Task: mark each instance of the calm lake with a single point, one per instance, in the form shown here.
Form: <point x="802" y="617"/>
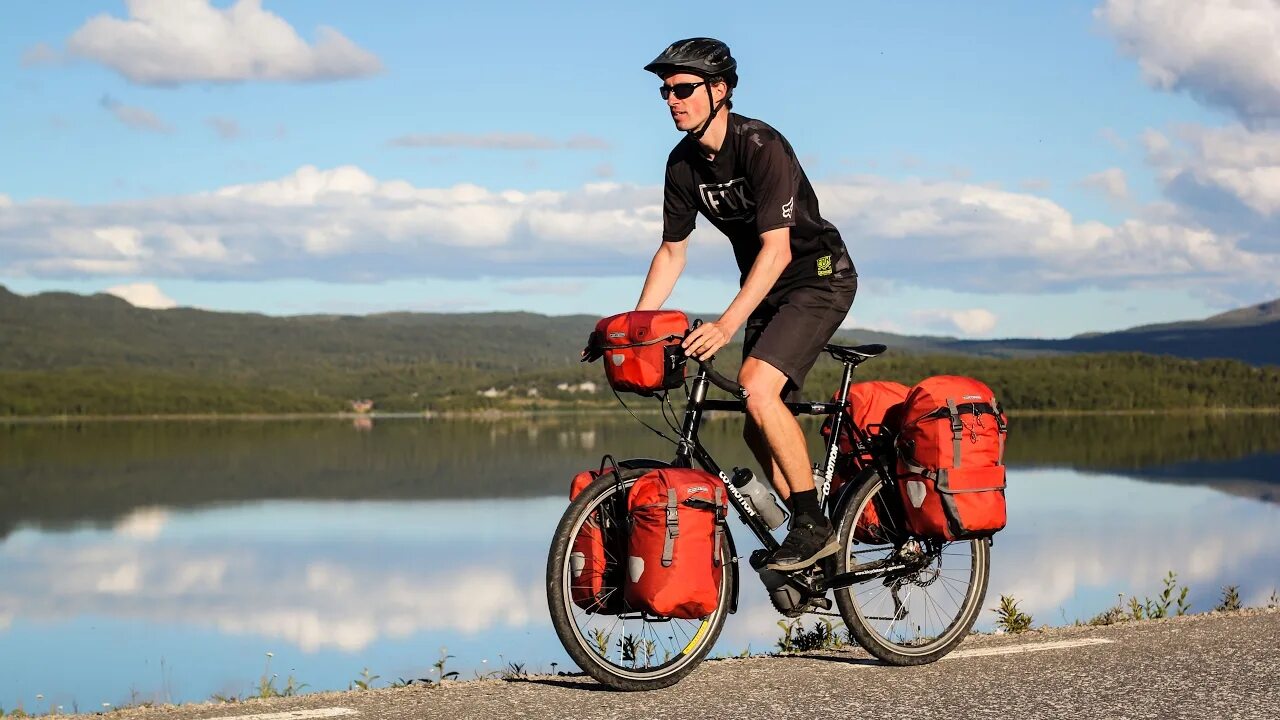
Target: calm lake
<point x="164" y="561"/>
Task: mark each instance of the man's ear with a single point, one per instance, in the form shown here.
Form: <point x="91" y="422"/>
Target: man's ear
<point x="719" y="89"/>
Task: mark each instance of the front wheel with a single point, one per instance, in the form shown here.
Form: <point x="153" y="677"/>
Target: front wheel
<point x="627" y="650"/>
<point x="922" y="610"/>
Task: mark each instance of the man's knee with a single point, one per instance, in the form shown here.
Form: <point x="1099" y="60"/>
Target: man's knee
<point x="764" y="383"/>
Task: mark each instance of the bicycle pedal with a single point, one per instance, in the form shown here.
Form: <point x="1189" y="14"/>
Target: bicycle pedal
<point x="821" y="602"/>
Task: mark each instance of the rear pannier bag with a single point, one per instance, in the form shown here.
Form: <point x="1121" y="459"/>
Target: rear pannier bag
<point x="595" y="557"/>
<point x="674" y="556"/>
<point x="868" y="403"/>
<point x="951" y="472"/>
<point x="641" y="350"/>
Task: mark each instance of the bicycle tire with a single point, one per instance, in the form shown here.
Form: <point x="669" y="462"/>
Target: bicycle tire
<point x="567" y="618"/>
<point x="857" y="607"/>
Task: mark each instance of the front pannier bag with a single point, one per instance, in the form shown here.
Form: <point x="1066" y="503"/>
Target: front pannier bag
<point x="951" y="472"/>
<point x="641" y="350"/>
<point x="674" y="556"/>
<point x="595" y="558"/>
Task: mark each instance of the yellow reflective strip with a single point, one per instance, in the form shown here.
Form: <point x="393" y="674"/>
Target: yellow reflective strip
<point x="697" y="636"/>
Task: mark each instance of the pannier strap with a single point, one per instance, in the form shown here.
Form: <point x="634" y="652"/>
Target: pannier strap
<point x="957" y="431"/>
<point x="715" y="553"/>
<point x="1001" y="425"/>
<point x="654" y="341"/>
<point x="673" y="527"/>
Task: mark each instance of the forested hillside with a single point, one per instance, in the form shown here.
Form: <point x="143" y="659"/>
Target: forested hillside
<point x="77" y="355"/>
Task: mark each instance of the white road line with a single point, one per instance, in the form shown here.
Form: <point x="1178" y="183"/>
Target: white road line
<point x="1030" y="647"/>
<point x="293" y="714"/>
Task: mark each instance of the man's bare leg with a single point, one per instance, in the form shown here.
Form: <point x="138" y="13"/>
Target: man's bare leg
<point x="760" y="449"/>
<point x="810" y="537"/>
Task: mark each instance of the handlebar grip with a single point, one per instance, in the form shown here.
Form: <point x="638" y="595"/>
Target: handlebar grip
<point x="723" y="382"/>
<point x="715" y="377"/>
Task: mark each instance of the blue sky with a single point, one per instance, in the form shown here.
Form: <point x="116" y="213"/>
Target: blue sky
<point x="997" y="169"/>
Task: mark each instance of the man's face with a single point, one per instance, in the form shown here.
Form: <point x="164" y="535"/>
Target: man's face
<point x="691" y="112"/>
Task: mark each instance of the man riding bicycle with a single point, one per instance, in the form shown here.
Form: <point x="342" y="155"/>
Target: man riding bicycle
<point x="797" y="280"/>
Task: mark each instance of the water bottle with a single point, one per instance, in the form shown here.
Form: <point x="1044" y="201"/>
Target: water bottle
<point x="759" y="497"/>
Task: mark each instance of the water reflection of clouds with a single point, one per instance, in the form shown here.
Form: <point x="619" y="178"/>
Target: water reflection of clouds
<point x="341" y="590"/>
<point x="1097" y="534"/>
<point x="144" y="523"/>
<point x="345" y="576"/>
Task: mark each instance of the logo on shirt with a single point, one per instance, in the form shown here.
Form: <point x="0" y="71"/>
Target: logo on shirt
<point x="824" y="266"/>
<point x="788" y="208"/>
<point x="728" y="201"/>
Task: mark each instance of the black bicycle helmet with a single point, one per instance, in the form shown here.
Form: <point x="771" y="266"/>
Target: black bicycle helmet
<point x="706" y="57"/>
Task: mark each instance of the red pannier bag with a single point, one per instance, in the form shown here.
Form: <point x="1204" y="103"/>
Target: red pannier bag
<point x="596" y="570"/>
<point x="641" y="350"/>
<point x="674" y="558"/>
<point x="868" y="404"/>
<point x="951" y="472"/>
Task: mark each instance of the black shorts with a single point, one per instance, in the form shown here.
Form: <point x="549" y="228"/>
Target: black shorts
<point x="789" y="332"/>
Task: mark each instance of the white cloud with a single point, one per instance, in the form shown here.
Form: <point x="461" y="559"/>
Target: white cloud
<point x="40" y="54"/>
<point x="972" y="321"/>
<point x="170" y="42"/>
<point x="1114" y="139"/>
<point x="343" y="224"/>
<point x="134" y="117"/>
<point x="1224" y="53"/>
<point x="1110" y="181"/>
<point x="143" y="295"/>
<point x="1233" y="160"/>
<point x="226" y="128"/>
<point x="544" y="287"/>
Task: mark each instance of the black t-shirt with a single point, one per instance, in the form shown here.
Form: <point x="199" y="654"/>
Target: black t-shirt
<point x="754" y="184"/>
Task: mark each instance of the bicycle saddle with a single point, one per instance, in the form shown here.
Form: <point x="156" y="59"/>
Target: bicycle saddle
<point x="855" y="353"/>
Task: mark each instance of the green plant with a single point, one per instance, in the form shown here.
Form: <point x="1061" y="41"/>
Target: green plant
<point x="365" y="682"/>
<point x="220" y="698"/>
<point x="513" y="670"/>
<point x="1009" y="618"/>
<point x="601" y="639"/>
<point x="1136" y="609"/>
<point x="1159" y="607"/>
<point x="630" y="646"/>
<point x="1230" y="599"/>
<point x="822" y="636"/>
<point x="439" y="666"/>
<point x="1274" y="600"/>
<point x="1111" y="615"/>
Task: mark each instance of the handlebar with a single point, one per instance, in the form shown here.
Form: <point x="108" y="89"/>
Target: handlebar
<point x="715" y="377"/>
<point x="721" y="381"/>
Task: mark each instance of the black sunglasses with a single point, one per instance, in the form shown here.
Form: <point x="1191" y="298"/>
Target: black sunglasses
<point x="682" y="90"/>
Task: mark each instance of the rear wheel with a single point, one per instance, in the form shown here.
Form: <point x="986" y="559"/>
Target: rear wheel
<point x="631" y="650"/>
<point x="925" y="605"/>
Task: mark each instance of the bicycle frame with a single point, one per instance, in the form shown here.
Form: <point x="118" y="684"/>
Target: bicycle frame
<point x="689" y="448"/>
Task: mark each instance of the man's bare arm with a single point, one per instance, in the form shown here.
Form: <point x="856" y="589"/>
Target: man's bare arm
<point x="668" y="263"/>
<point x="775" y="255"/>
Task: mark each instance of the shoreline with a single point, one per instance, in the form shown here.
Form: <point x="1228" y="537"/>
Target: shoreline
<point x="503" y="414"/>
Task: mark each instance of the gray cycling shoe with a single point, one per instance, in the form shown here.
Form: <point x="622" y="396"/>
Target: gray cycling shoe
<point x="808" y="542"/>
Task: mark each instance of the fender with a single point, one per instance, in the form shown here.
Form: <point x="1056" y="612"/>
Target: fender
<point x="847" y="491"/>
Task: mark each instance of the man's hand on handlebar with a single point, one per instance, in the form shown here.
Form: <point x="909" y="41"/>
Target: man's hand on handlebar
<point x="706" y="339"/>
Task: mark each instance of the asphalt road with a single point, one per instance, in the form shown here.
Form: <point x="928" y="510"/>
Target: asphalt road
<point x="1214" y="666"/>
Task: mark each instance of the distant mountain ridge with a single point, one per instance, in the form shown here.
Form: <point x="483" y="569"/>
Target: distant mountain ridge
<point x="58" y="330"/>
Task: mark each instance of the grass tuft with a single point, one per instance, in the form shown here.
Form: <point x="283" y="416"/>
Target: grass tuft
<point x="1230" y="599"/>
<point x="1009" y="618"/>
